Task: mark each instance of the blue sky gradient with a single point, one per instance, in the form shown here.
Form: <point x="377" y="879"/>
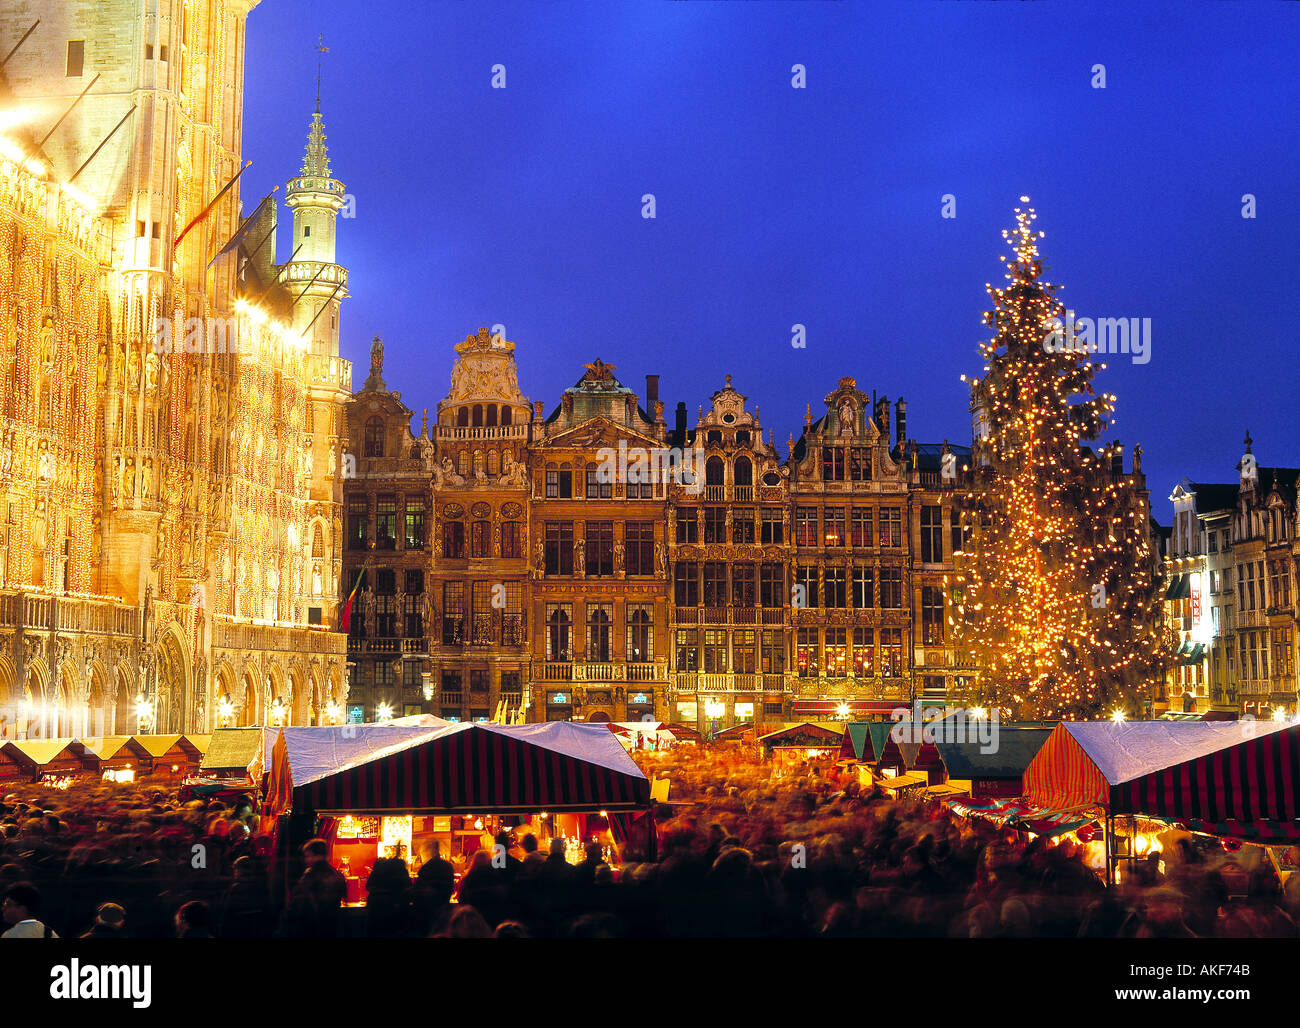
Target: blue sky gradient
<point x="818" y="206"/>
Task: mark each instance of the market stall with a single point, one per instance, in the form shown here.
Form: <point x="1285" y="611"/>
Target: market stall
<point x="793" y="745"/>
<point x="48" y="761"/>
<point x="1202" y="774"/>
<point x="118" y="758"/>
<point x="169" y="756"/>
<point x="460" y="785"/>
<point x="996" y="769"/>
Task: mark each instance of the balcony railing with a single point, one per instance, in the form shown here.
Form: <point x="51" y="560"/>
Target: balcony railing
<point x="443" y="432"/>
<point x="744" y="493"/>
<point x="557" y="671"/>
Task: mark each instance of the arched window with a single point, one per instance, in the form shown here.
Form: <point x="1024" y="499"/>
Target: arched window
<point x="477" y="420"/>
<point x="493" y="463"/>
<point x="462" y="417"/>
<point x="599" y="633"/>
<point x="462" y="463"/>
<point x="558" y="626"/>
<point x="744" y="471"/>
<point x="491" y="415"/>
<point x="640" y="635"/>
<point x="375" y="437"/>
<point x="507" y="416"/>
<point x="713" y="471"/>
<point x="478" y="462"/>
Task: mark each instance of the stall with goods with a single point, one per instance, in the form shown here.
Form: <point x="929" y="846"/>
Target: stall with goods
<point x="374" y="795"/>
<point x="117" y="758"/>
<point x="1218" y="777"/>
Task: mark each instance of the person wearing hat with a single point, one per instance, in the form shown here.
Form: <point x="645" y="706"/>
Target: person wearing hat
<point x="110" y="923"/>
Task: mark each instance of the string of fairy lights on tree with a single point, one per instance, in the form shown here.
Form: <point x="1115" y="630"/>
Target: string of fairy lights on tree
<point x="1053" y="589"/>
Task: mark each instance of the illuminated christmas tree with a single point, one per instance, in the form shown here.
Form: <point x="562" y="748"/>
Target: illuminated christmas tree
<point x="1053" y="590"/>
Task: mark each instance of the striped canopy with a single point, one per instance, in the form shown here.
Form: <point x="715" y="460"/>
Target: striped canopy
<point x="1217" y="770"/>
<point x="479" y="767"/>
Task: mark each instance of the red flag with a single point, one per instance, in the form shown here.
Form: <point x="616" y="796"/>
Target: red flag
<point x="347" y="607"/>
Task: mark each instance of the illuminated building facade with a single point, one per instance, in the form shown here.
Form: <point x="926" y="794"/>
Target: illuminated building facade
<point x="170" y="510"/>
<point x="1230" y="607"/>
<point x="718" y="587"/>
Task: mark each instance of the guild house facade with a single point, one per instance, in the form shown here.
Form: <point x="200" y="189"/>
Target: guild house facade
<point x="170" y="395"/>
<point x="597" y="563"/>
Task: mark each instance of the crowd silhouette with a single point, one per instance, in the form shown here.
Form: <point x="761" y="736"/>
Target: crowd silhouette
<point x="746" y="850"/>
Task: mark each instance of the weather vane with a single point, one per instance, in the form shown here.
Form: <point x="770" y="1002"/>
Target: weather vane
<point x="321" y="48"/>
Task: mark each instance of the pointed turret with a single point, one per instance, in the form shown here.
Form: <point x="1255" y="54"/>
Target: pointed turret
<point x="316" y="281"/>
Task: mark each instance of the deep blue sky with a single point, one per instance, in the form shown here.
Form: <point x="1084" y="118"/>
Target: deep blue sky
<point x="819" y="206"/>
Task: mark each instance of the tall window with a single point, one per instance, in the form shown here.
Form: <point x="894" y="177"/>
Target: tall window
<point x="482" y="627"/>
<point x="414" y="528"/>
<point x="480" y="541"/>
<point x="356" y="524"/>
<point x="715" y="651"/>
<point x="864" y="587"/>
<point x="512" y="539"/>
<point x="805" y="526"/>
<point x="639" y="545"/>
<point x="931" y="534"/>
<point x="559" y="482"/>
<point x="773" y="658"/>
<point x="835" y="593"/>
<point x="891" y="652"/>
<point x="559" y="624"/>
<point x="596" y="489"/>
<point x="832" y="464"/>
<point x="600" y="548"/>
<point x="386" y="523"/>
<point x="743" y="591"/>
<point x="860" y="464"/>
<point x="836" y="652"/>
<point x="807" y="653"/>
<point x="772" y="584"/>
<point x="686" y="584"/>
<point x="742" y="652"/>
<point x="742" y="526"/>
<point x="687" y="530"/>
<point x="772" y="528"/>
<point x="891" y="588"/>
<point x="453" y="540"/>
<point x="931" y="615"/>
<point x="688" y="649"/>
<point x="375" y="437"/>
<point x="559" y="548"/>
<point x="715" y="524"/>
<point x="864" y="653"/>
<point x="600" y="624"/>
<point x="833" y="526"/>
<point x="715" y="584"/>
<point x="453" y="613"/>
<point x="891" y="526"/>
<point x="640" y="633"/>
<point x="806" y="579"/>
<point x="412" y="604"/>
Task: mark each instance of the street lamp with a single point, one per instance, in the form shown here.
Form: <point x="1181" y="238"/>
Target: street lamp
<point x="225" y="710"/>
<point x="1118" y="716"/>
<point x="384" y="712"/>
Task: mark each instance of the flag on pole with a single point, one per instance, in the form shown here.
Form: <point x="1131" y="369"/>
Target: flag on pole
<point x="347" y="607"/>
<point x="242" y="232"/>
<point x="209" y="208"/>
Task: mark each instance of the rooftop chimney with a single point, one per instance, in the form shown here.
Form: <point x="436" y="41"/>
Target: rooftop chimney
<point x="651" y="392"/>
<point x="679" y="429"/>
<point x="901" y="407"/>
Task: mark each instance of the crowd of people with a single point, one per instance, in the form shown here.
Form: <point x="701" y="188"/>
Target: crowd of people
<point x="743" y="852"/>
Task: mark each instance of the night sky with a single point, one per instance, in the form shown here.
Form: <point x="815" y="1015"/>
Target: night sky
<point x="819" y="206"/>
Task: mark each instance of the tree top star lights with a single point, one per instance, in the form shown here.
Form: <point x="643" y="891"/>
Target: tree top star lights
<point x="1053" y="589"/>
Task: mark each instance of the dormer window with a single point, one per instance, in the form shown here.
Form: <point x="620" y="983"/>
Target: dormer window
<point x="375" y="437"/>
